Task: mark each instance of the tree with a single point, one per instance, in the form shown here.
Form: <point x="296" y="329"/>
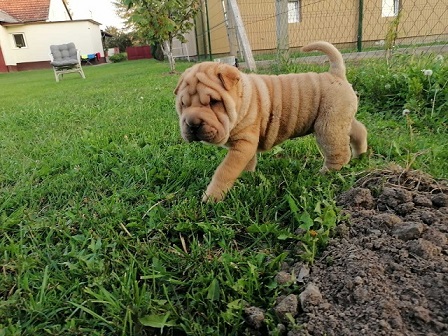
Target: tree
<point x="120" y="38"/>
<point x="160" y="21"/>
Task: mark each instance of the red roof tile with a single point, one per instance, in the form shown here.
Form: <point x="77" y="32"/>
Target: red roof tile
<point x="26" y="10"/>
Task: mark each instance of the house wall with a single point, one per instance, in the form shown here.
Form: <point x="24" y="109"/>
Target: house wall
<point x="187" y="49"/>
<point x="336" y="22"/>
<point x="260" y="28"/>
<point x="420" y="19"/>
<point x="4" y="37"/>
<point x="4" y="46"/>
<point x="57" y="11"/>
<point x="321" y="20"/>
<point x="218" y="30"/>
<point x="86" y="35"/>
<point x="211" y="22"/>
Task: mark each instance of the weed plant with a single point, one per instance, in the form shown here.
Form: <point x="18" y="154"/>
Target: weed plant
<point x="102" y="231"/>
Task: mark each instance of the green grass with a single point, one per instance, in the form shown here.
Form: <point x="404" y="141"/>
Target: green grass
<point x="102" y="231"/>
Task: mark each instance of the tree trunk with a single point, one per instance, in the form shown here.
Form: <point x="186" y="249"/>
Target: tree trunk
<point x="157" y="52"/>
<point x="169" y="54"/>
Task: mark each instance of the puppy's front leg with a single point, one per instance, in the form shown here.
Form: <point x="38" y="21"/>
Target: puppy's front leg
<point x="250" y="167"/>
<point x="239" y="156"/>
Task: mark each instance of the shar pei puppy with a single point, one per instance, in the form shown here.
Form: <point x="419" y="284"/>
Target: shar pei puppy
<point x="250" y="113"/>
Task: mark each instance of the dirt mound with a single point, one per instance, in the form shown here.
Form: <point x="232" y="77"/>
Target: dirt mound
<point x="386" y="270"/>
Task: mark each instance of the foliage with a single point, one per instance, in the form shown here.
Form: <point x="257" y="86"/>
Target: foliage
<point x="392" y="34"/>
<point x="120" y="39"/>
<point x="159" y="22"/>
<point x="102" y="231"/>
<point x="412" y="90"/>
<point x="120" y="57"/>
<point x="417" y="84"/>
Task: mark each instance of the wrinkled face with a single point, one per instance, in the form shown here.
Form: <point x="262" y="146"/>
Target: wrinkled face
<point x="205" y="102"/>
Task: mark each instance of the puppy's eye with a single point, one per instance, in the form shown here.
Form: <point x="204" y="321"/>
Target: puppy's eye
<point x="213" y="102"/>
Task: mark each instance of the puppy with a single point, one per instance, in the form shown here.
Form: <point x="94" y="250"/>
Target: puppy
<point x="249" y="113"/>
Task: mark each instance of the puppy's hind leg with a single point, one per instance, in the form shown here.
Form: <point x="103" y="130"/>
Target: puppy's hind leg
<point x="358" y="138"/>
<point x="336" y="154"/>
<point x="334" y="143"/>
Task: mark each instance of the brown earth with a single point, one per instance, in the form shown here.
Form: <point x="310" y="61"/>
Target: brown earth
<point x="386" y="270"/>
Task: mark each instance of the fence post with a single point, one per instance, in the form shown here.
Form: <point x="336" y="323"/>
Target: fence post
<point x="200" y="22"/>
<point x="241" y="32"/>
<point x="360" y="17"/>
<point x="231" y="30"/>
<point x="208" y="31"/>
<point x="281" y="20"/>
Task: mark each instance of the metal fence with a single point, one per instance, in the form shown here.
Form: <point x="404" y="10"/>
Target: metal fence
<point x="352" y="25"/>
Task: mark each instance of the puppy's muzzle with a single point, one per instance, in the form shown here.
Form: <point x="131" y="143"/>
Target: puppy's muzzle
<point x="194" y="130"/>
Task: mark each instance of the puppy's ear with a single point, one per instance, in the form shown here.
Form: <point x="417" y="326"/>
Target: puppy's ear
<point x="179" y="82"/>
<point x="228" y="75"/>
<point x="178" y="85"/>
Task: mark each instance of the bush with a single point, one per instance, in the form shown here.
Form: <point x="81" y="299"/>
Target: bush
<point x="118" y="57"/>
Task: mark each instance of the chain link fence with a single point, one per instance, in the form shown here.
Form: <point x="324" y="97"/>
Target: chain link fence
<point x="359" y="28"/>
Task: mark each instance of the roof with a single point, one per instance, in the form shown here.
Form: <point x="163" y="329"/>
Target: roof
<point x="5" y="17"/>
<point x="25" y="10"/>
<point x="105" y="34"/>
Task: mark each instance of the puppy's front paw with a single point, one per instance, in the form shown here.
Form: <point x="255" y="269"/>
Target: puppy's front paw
<point x="324" y="170"/>
<point x="212" y="197"/>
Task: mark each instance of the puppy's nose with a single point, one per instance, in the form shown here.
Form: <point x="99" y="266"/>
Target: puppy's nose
<point x="194" y="127"/>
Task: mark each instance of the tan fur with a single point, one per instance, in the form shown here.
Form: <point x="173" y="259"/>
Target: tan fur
<point x="249" y="113"/>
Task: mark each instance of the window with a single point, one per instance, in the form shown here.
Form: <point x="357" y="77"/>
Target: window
<point x="294" y="11"/>
<point x="390" y="8"/>
<point x="19" y="40"/>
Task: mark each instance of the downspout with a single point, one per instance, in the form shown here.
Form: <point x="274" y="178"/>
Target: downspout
<point x="360" y="17"/>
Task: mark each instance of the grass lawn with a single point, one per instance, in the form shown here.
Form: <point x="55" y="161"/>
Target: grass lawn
<point x="102" y="231"/>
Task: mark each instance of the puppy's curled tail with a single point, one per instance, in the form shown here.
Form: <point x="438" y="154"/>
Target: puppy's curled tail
<point x="337" y="66"/>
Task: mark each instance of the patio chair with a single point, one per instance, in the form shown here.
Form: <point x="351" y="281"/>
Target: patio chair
<point x="65" y="59"/>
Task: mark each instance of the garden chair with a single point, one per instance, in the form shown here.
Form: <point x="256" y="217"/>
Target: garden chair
<point x="65" y="59"/>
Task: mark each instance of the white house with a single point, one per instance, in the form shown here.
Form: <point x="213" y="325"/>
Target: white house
<point x="28" y="28"/>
